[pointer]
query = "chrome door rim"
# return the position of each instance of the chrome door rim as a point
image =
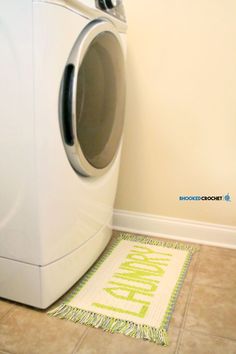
(79, 50)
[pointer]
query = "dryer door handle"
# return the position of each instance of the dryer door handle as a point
(66, 105)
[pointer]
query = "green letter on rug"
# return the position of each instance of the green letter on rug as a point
(127, 294)
(141, 313)
(147, 250)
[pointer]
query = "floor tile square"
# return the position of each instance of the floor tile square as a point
(218, 251)
(28, 331)
(212, 310)
(197, 343)
(216, 269)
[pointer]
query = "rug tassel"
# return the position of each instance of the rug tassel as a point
(110, 324)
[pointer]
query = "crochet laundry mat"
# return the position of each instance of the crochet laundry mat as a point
(131, 289)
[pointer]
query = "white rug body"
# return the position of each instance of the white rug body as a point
(134, 283)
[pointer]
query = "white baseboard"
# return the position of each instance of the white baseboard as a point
(176, 229)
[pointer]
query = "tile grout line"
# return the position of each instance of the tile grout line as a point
(207, 334)
(182, 328)
(78, 344)
(196, 267)
(191, 288)
(7, 313)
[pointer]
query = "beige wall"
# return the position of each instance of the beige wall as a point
(180, 132)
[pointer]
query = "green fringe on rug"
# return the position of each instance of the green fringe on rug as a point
(148, 240)
(109, 324)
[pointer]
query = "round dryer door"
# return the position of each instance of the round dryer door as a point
(92, 99)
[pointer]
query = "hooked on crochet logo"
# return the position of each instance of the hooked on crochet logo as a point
(224, 197)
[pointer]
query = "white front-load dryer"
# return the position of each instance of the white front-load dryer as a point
(62, 107)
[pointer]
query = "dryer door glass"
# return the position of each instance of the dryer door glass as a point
(91, 102)
(100, 100)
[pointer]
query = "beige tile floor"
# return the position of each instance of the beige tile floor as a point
(204, 320)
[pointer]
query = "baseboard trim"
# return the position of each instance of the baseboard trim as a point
(174, 228)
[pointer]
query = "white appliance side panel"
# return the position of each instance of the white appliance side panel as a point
(18, 235)
(58, 277)
(41, 286)
(20, 282)
(71, 208)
